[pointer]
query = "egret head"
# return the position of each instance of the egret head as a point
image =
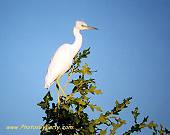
(83, 26)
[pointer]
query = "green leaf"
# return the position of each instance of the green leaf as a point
(135, 114)
(142, 126)
(85, 70)
(120, 106)
(77, 82)
(103, 132)
(91, 128)
(152, 125)
(117, 125)
(65, 107)
(80, 109)
(82, 102)
(121, 121)
(92, 107)
(85, 97)
(85, 53)
(48, 97)
(43, 105)
(98, 92)
(102, 118)
(98, 108)
(97, 121)
(93, 90)
(81, 55)
(145, 119)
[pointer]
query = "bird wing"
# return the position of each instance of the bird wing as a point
(59, 64)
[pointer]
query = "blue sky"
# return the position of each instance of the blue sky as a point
(130, 51)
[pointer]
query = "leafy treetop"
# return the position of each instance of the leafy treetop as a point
(69, 117)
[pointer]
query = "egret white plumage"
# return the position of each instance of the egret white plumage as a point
(63, 57)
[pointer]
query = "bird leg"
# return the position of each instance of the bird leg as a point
(58, 83)
(69, 77)
(58, 95)
(66, 84)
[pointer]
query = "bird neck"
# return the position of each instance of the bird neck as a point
(78, 41)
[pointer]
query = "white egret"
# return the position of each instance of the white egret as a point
(63, 57)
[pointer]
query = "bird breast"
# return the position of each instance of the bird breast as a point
(60, 63)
